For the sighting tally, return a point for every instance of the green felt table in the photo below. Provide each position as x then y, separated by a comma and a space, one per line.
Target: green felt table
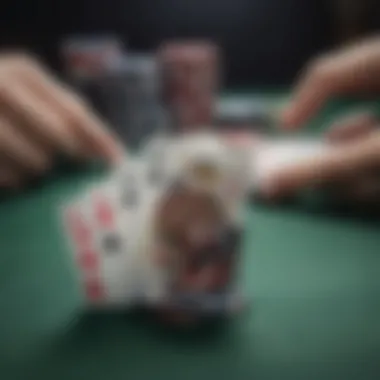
313, 278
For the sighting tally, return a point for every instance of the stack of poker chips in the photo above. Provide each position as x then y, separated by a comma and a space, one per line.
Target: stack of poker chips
85, 58
190, 75
128, 97
123, 87
141, 95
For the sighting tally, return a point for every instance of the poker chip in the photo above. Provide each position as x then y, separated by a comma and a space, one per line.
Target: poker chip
191, 80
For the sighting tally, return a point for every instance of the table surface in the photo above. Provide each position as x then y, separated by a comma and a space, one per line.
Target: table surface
313, 278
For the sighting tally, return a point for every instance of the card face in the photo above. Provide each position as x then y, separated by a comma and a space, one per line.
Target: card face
274, 156
204, 247
102, 251
158, 158
119, 227
196, 225
130, 182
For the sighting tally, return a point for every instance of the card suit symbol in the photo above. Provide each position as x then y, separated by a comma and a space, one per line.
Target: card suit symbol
112, 243
81, 233
94, 290
88, 260
83, 236
104, 213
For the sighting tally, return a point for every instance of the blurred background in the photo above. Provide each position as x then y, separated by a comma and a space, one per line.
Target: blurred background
265, 42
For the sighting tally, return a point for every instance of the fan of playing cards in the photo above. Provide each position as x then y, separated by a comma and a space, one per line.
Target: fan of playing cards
163, 230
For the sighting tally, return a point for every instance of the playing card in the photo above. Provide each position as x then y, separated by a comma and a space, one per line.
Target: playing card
158, 157
104, 250
129, 180
174, 243
137, 200
271, 157
194, 223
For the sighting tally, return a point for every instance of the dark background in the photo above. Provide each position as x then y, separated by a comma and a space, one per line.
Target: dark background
265, 42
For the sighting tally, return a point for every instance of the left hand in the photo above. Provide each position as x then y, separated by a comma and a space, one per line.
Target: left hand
40, 117
351, 168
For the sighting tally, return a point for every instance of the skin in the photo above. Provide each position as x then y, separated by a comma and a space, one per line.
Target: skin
352, 164
40, 117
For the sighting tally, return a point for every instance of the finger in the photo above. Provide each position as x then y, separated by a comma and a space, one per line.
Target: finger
354, 70
93, 136
352, 127
14, 146
34, 117
95, 139
340, 162
314, 88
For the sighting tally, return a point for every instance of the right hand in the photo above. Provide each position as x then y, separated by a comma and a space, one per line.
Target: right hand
350, 71
40, 117
349, 170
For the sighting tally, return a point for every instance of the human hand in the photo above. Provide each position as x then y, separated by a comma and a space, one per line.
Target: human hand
351, 71
350, 167
40, 117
